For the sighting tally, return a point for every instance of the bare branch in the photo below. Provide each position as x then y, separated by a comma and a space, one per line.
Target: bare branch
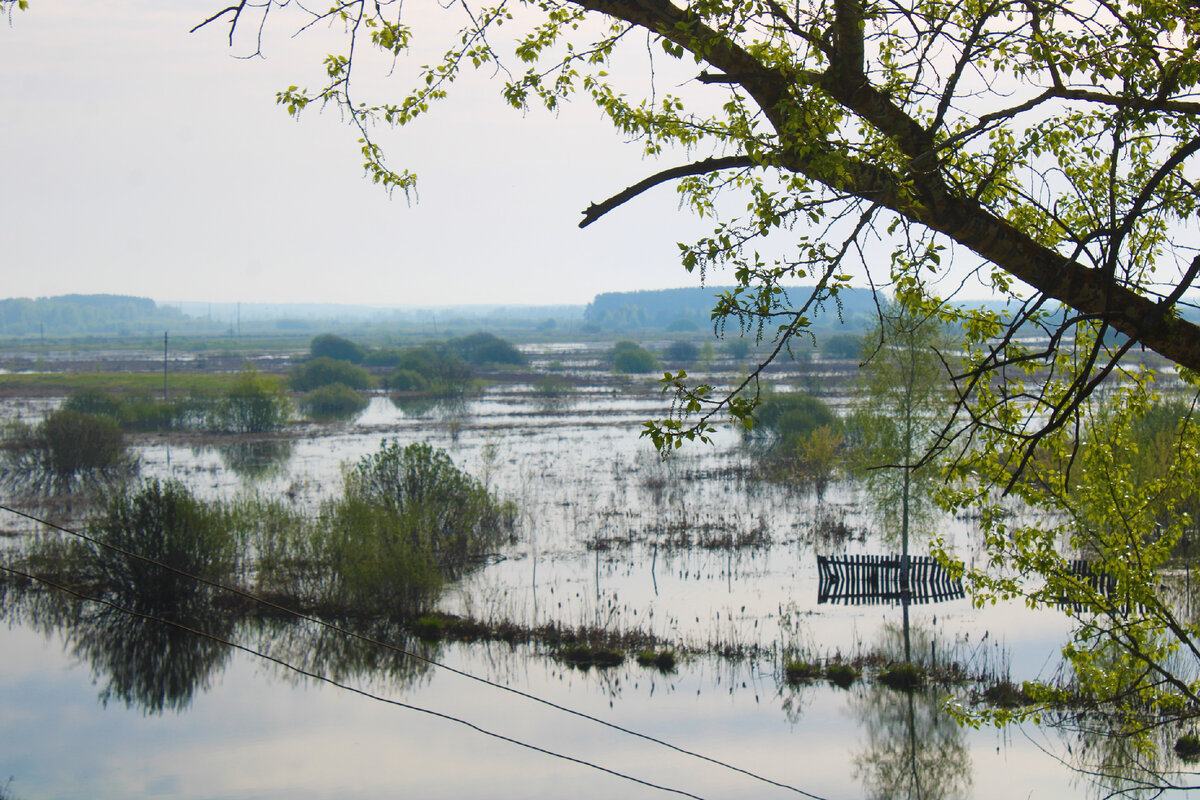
595, 211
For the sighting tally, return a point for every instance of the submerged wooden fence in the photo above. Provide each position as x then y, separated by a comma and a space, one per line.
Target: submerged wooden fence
866, 580
1100, 583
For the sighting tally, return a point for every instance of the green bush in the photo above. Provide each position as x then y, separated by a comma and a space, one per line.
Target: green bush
407, 520
484, 348
334, 401
328, 345
255, 404
384, 357
842, 346
163, 522
407, 380
786, 420
441, 372
323, 371
630, 358
67, 448
683, 352
737, 348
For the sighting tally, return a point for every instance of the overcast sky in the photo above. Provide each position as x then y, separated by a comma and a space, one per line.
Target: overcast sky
137, 158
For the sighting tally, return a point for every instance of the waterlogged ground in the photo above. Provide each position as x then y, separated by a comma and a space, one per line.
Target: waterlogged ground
689, 550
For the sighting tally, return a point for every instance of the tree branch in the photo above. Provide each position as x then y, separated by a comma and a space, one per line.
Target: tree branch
595, 211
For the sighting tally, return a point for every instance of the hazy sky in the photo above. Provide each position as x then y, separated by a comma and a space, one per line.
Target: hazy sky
137, 158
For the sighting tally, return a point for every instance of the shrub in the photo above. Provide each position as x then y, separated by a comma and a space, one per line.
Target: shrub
684, 352
384, 357
842, 346
145, 413
630, 358
662, 660
408, 520
407, 380
255, 404
786, 421
441, 372
1006, 694
333, 401
64, 449
737, 348
583, 657
484, 348
327, 345
323, 371
163, 522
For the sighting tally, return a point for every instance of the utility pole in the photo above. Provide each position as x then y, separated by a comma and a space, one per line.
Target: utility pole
164, 366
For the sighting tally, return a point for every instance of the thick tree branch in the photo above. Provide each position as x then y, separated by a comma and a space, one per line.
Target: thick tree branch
597, 210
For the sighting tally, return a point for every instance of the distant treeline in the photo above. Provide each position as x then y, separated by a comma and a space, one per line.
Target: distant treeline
86, 313
691, 308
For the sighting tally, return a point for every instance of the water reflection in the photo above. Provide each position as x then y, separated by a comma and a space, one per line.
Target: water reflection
911, 749
158, 656
256, 459
148, 664
145, 654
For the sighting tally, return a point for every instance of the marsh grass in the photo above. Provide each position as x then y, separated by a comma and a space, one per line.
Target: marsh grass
1187, 747
903, 677
798, 671
584, 656
842, 675
1006, 694
114, 383
662, 660
249, 402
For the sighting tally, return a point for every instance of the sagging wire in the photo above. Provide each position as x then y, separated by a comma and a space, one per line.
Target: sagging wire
299, 615
325, 679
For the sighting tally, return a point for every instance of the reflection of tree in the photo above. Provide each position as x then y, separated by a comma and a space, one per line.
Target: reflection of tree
143, 661
913, 750
147, 663
255, 459
338, 656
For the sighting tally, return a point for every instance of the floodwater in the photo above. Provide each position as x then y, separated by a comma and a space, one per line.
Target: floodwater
93, 705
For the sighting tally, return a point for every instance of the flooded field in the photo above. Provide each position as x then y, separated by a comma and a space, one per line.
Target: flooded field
691, 552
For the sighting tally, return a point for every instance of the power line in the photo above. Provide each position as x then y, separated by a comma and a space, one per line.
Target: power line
340, 685
401, 651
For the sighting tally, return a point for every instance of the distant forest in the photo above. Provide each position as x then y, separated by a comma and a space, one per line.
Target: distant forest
691, 308
75, 314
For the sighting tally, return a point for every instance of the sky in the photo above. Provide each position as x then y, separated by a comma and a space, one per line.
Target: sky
137, 158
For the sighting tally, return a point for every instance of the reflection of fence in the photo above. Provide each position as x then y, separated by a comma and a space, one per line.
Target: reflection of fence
1098, 582
866, 580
